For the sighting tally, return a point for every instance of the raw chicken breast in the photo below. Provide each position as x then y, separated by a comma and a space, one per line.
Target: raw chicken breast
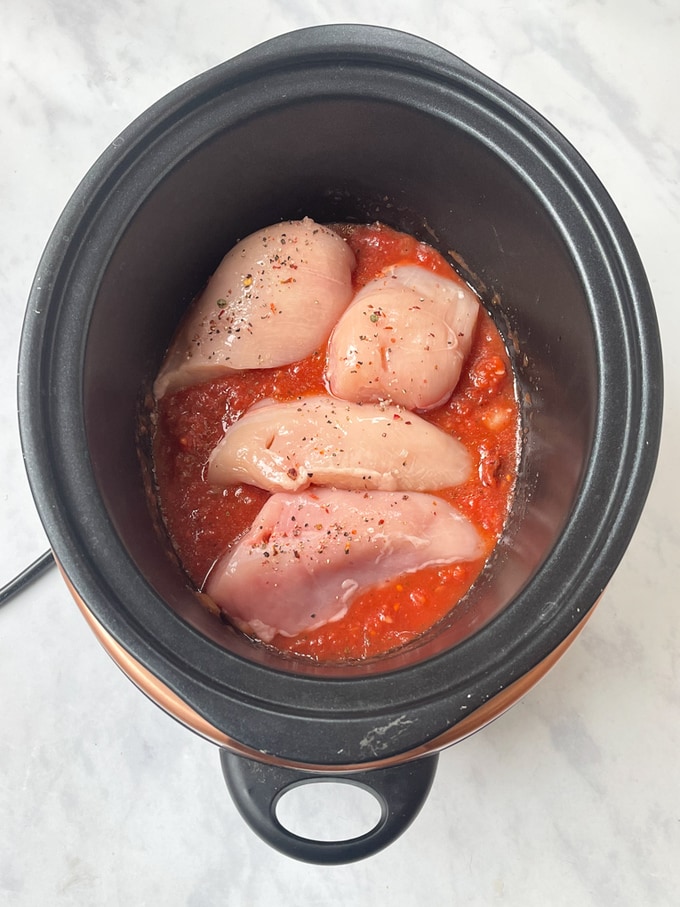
274, 299
404, 339
307, 556
323, 441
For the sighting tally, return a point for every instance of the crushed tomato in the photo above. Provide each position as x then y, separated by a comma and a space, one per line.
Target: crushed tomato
204, 521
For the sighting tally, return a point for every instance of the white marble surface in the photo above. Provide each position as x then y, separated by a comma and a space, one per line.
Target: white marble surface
573, 797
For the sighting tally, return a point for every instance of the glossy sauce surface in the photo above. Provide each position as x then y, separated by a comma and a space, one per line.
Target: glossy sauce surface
204, 521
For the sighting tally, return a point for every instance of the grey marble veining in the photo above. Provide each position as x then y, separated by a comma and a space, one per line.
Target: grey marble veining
572, 797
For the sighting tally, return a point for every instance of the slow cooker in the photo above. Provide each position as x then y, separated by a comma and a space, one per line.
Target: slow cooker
362, 124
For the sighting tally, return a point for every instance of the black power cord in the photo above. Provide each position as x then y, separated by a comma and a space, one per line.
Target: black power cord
32, 572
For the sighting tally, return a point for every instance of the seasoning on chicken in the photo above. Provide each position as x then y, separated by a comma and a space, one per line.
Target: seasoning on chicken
320, 440
273, 300
404, 339
308, 555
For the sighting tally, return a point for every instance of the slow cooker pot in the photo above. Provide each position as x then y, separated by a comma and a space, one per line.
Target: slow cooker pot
344, 123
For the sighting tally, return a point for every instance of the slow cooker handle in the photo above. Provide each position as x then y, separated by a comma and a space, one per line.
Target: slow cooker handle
256, 789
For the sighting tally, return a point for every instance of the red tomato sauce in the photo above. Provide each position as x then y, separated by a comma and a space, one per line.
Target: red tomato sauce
205, 521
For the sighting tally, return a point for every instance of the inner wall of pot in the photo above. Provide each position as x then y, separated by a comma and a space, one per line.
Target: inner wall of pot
348, 160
